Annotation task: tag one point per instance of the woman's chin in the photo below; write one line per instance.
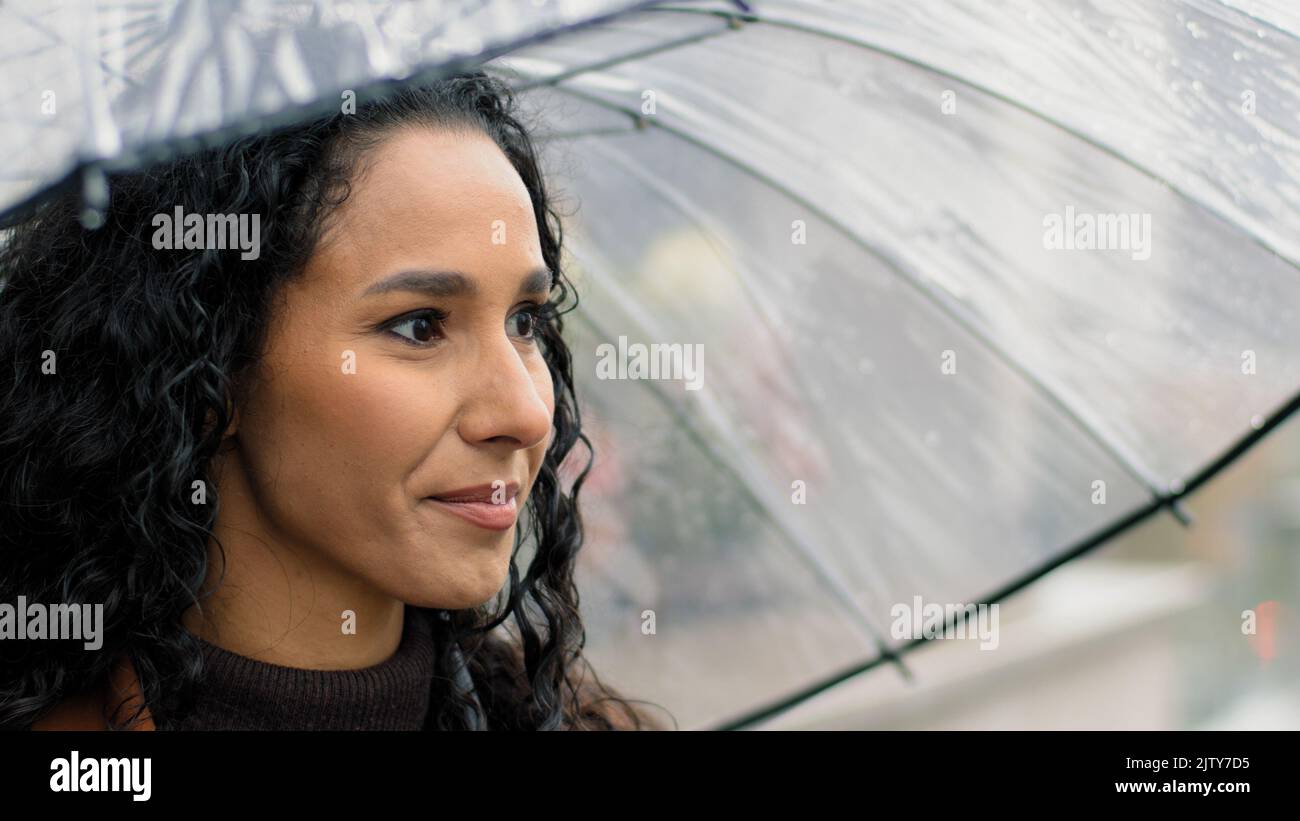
(461, 594)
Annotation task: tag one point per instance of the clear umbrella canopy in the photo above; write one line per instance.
(965, 401)
(970, 287)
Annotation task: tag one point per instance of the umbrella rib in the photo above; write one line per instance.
(613, 61)
(743, 484)
(590, 132)
(749, 15)
(937, 299)
(1088, 544)
(692, 214)
(1038, 115)
(1269, 24)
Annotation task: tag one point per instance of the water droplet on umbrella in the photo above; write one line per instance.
(94, 197)
(92, 218)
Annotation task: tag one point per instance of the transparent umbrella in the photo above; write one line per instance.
(944, 294)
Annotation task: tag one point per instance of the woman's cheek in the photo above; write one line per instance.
(395, 411)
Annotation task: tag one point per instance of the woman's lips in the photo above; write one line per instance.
(484, 514)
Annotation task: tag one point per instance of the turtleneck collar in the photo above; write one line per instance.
(242, 693)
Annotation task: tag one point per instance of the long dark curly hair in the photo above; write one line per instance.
(98, 461)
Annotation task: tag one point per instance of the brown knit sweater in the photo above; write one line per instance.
(241, 693)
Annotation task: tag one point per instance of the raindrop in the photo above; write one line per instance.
(1176, 486)
(92, 218)
(94, 197)
(1238, 56)
(1198, 86)
(1257, 421)
(94, 187)
(1197, 30)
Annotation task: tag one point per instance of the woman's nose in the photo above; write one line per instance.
(507, 399)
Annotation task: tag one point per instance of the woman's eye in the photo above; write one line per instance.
(420, 328)
(526, 321)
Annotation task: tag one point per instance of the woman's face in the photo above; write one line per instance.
(366, 404)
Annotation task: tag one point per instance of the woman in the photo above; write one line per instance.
(293, 471)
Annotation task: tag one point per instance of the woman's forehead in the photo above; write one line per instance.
(431, 199)
(455, 175)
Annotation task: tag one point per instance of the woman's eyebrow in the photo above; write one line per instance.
(453, 283)
(537, 282)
